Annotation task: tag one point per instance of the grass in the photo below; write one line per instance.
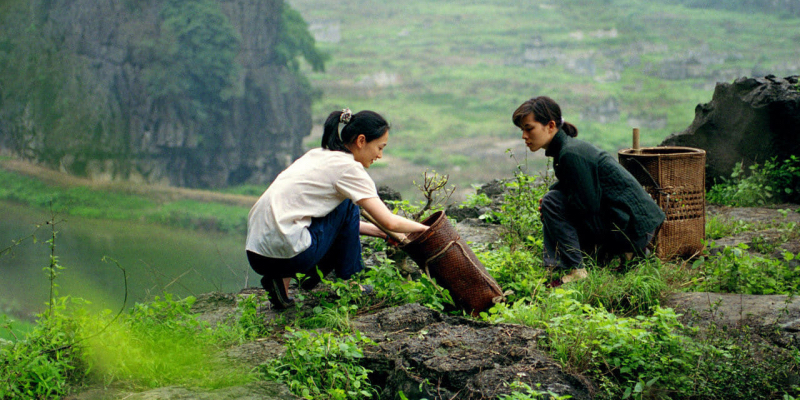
(460, 69)
(609, 327)
(121, 204)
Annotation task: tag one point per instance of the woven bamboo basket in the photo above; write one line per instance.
(675, 178)
(443, 255)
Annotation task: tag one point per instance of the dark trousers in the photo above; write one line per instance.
(335, 245)
(567, 240)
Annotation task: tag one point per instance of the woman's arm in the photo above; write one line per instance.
(371, 230)
(395, 223)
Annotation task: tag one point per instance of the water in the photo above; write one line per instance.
(155, 259)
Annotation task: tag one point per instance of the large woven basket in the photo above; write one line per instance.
(675, 177)
(443, 255)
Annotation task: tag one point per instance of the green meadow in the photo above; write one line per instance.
(449, 74)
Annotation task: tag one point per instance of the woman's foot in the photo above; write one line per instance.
(276, 290)
(366, 289)
(576, 275)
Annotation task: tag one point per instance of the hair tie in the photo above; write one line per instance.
(344, 118)
(346, 115)
(562, 122)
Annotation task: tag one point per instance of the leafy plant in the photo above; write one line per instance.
(638, 357)
(520, 271)
(734, 270)
(519, 213)
(435, 192)
(476, 200)
(251, 324)
(343, 299)
(523, 391)
(717, 227)
(391, 288)
(195, 59)
(773, 182)
(322, 366)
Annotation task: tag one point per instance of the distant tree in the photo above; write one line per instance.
(296, 40)
(194, 56)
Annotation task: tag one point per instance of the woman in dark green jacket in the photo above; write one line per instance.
(596, 207)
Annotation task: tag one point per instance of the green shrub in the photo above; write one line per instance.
(342, 299)
(519, 213)
(520, 271)
(322, 366)
(48, 360)
(773, 182)
(648, 356)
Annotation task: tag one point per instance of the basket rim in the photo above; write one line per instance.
(681, 151)
(420, 237)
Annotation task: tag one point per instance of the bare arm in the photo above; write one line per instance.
(371, 230)
(395, 223)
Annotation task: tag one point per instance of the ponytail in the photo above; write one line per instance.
(569, 129)
(544, 110)
(368, 123)
(331, 138)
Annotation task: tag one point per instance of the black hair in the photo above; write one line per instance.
(544, 110)
(367, 123)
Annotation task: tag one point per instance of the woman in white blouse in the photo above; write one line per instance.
(309, 215)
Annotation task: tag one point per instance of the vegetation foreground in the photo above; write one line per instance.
(609, 327)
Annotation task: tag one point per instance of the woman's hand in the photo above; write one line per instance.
(388, 221)
(540, 207)
(393, 242)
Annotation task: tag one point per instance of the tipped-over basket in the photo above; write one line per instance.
(444, 255)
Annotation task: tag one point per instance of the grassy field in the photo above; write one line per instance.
(448, 74)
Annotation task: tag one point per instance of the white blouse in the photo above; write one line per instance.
(311, 187)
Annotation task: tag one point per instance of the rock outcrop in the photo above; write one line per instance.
(750, 120)
(426, 354)
(145, 111)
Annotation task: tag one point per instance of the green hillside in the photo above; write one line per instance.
(448, 74)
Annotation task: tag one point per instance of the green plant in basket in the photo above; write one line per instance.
(435, 193)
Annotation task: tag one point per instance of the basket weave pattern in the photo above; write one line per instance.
(675, 178)
(444, 255)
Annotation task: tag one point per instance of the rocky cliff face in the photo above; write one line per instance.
(132, 120)
(750, 120)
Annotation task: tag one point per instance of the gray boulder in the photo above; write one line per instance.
(750, 120)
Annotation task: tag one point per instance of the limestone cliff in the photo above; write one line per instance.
(750, 121)
(192, 93)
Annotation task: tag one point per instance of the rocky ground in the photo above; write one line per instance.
(460, 358)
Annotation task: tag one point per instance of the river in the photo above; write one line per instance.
(155, 259)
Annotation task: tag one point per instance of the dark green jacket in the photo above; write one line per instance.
(601, 194)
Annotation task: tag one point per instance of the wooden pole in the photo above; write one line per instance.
(636, 148)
